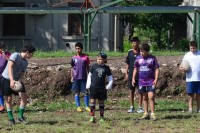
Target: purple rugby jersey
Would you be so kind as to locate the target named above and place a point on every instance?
(146, 68)
(3, 61)
(79, 64)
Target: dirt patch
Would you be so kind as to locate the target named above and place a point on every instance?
(47, 79)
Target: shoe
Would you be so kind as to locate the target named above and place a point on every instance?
(79, 109)
(131, 110)
(22, 120)
(101, 119)
(189, 111)
(12, 122)
(87, 109)
(153, 116)
(145, 116)
(92, 119)
(140, 110)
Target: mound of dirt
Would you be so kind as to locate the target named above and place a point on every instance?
(47, 79)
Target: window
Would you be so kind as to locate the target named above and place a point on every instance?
(75, 21)
(13, 24)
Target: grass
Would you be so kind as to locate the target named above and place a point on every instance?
(62, 53)
(61, 117)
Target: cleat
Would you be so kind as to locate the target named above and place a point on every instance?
(92, 119)
(153, 116)
(22, 120)
(87, 109)
(2, 108)
(145, 116)
(12, 122)
(102, 120)
(79, 109)
(140, 110)
(131, 110)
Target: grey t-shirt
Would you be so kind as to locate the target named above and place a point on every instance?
(20, 65)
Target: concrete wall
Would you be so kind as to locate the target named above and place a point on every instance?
(50, 31)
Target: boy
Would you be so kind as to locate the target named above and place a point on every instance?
(147, 67)
(4, 56)
(193, 75)
(14, 71)
(80, 68)
(130, 59)
(96, 84)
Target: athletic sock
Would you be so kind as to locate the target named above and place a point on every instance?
(21, 112)
(1, 100)
(10, 114)
(101, 108)
(86, 99)
(77, 100)
(92, 109)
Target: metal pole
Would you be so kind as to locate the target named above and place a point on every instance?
(198, 31)
(194, 27)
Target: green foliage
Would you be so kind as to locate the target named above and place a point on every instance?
(183, 45)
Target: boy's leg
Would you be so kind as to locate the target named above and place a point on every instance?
(8, 100)
(92, 109)
(86, 99)
(132, 94)
(198, 102)
(151, 101)
(145, 101)
(190, 102)
(101, 109)
(23, 103)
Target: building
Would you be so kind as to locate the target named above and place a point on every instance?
(54, 31)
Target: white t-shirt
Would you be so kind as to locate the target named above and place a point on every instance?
(194, 60)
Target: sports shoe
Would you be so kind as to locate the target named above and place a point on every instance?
(101, 119)
(79, 109)
(22, 120)
(11, 121)
(145, 116)
(153, 116)
(140, 110)
(131, 110)
(92, 119)
(189, 111)
(2, 108)
(87, 109)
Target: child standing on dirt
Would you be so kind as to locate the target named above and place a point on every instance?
(130, 59)
(97, 86)
(4, 56)
(14, 71)
(192, 75)
(80, 68)
(147, 67)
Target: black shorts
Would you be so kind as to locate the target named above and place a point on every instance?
(130, 86)
(100, 94)
(6, 90)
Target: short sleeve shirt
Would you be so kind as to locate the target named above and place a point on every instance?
(130, 59)
(79, 64)
(20, 66)
(99, 73)
(146, 68)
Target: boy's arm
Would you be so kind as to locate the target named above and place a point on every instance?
(110, 82)
(134, 75)
(72, 74)
(10, 73)
(88, 83)
(156, 76)
(126, 73)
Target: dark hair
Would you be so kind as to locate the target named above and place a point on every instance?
(79, 44)
(134, 39)
(28, 48)
(145, 47)
(193, 43)
(103, 56)
(2, 45)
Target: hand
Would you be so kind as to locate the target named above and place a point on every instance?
(133, 82)
(182, 69)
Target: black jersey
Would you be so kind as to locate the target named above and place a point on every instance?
(130, 60)
(99, 73)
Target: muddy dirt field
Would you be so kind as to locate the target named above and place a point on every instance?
(46, 79)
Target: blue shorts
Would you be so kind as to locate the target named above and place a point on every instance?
(193, 87)
(79, 85)
(145, 89)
